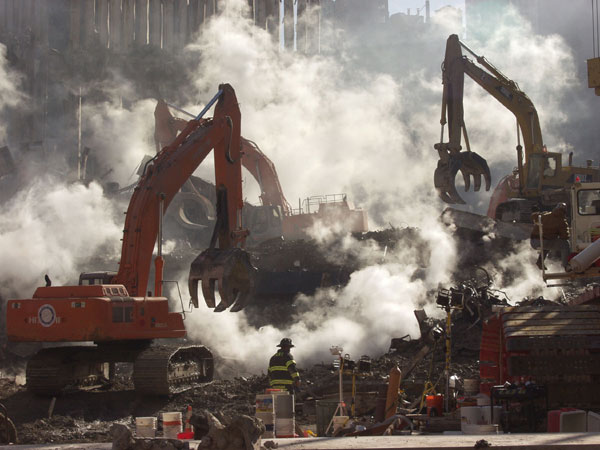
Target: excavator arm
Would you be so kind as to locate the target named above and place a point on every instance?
(226, 267)
(253, 159)
(452, 160)
(538, 173)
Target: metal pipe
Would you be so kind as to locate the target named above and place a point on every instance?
(181, 110)
(541, 231)
(209, 104)
(79, 177)
(466, 137)
(520, 160)
(161, 210)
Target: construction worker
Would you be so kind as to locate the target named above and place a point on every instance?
(555, 233)
(282, 368)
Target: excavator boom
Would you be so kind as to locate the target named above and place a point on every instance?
(253, 159)
(165, 174)
(537, 169)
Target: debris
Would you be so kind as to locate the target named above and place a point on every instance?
(122, 439)
(242, 433)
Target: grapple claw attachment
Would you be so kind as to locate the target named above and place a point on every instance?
(470, 164)
(443, 179)
(230, 271)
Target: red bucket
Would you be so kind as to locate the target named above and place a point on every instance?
(435, 404)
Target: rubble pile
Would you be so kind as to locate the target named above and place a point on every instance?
(88, 416)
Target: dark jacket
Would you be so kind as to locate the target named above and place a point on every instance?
(554, 225)
(282, 371)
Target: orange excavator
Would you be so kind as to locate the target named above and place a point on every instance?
(253, 159)
(114, 311)
(274, 217)
(540, 178)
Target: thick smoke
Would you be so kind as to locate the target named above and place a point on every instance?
(120, 137)
(49, 223)
(10, 95)
(331, 126)
(54, 228)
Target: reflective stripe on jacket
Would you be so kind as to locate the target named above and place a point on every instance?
(282, 370)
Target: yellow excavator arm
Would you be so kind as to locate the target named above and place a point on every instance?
(537, 168)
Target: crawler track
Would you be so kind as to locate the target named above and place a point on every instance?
(53, 370)
(168, 370)
(157, 370)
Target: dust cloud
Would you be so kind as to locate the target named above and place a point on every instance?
(123, 136)
(330, 125)
(50, 222)
(54, 228)
(10, 94)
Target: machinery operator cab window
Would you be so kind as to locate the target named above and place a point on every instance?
(588, 202)
(540, 166)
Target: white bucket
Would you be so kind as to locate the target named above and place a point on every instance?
(145, 427)
(285, 427)
(264, 403)
(268, 419)
(471, 415)
(171, 424)
(486, 413)
(483, 400)
(284, 406)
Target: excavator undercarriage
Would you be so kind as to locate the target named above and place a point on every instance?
(157, 370)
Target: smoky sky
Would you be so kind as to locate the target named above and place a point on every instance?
(360, 118)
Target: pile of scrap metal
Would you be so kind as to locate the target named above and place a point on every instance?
(420, 362)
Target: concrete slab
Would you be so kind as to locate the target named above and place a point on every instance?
(547, 441)
(540, 441)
